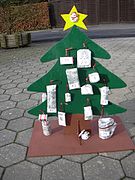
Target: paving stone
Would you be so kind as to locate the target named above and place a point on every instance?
(12, 114)
(21, 80)
(23, 85)
(117, 155)
(23, 171)
(15, 77)
(7, 105)
(1, 91)
(24, 137)
(1, 171)
(6, 137)
(4, 97)
(128, 178)
(80, 158)
(20, 124)
(5, 81)
(3, 124)
(132, 131)
(36, 96)
(102, 168)
(11, 154)
(44, 160)
(13, 91)
(129, 165)
(20, 97)
(27, 104)
(8, 86)
(129, 104)
(62, 170)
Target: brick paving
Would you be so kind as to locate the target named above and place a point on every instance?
(18, 69)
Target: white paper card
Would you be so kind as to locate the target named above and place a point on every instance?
(104, 95)
(51, 99)
(72, 77)
(88, 115)
(94, 77)
(67, 97)
(42, 117)
(62, 118)
(86, 89)
(44, 97)
(83, 58)
(66, 60)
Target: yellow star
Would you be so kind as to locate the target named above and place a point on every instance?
(74, 18)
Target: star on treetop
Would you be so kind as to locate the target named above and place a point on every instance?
(74, 18)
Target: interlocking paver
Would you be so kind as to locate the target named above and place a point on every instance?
(24, 137)
(117, 155)
(1, 91)
(23, 171)
(3, 124)
(80, 158)
(7, 105)
(5, 81)
(1, 171)
(11, 154)
(12, 114)
(13, 91)
(62, 170)
(129, 165)
(6, 137)
(102, 168)
(44, 160)
(4, 97)
(8, 86)
(27, 104)
(20, 97)
(20, 124)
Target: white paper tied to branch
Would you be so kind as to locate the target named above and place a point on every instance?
(44, 97)
(72, 77)
(61, 118)
(104, 95)
(67, 97)
(94, 77)
(51, 99)
(88, 115)
(83, 58)
(86, 89)
(66, 60)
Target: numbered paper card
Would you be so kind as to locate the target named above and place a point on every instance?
(94, 77)
(83, 58)
(66, 60)
(86, 89)
(62, 118)
(51, 99)
(104, 90)
(88, 115)
(42, 117)
(72, 77)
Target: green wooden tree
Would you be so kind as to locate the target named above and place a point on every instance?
(75, 39)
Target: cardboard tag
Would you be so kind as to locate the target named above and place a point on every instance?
(104, 95)
(83, 58)
(66, 60)
(62, 118)
(86, 89)
(88, 115)
(72, 77)
(44, 97)
(67, 97)
(94, 77)
(51, 99)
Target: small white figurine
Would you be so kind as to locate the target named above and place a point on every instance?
(84, 134)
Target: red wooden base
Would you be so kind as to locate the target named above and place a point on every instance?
(61, 143)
